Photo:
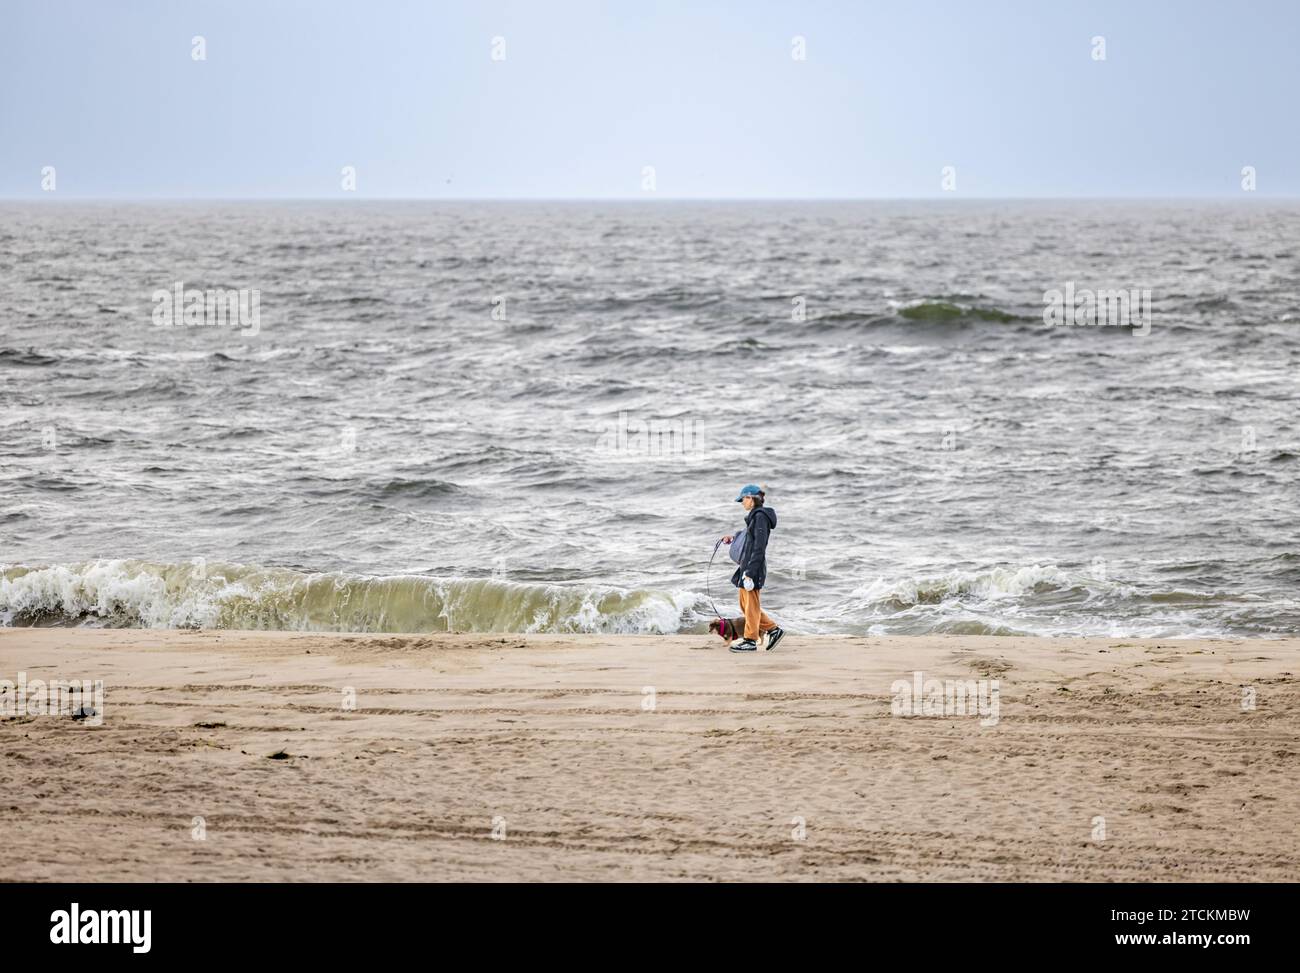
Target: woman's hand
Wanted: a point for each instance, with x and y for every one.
(748, 583)
(726, 539)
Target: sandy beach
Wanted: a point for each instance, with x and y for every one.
(472, 757)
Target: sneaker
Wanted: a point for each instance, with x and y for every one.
(744, 645)
(773, 637)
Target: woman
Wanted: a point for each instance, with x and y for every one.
(749, 578)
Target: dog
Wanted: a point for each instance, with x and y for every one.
(730, 629)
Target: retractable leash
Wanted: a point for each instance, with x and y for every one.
(707, 573)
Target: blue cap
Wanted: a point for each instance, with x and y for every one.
(748, 490)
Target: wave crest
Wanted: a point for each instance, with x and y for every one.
(997, 583)
(948, 311)
(143, 594)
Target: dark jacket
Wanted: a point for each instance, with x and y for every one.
(759, 522)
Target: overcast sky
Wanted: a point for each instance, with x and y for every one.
(588, 95)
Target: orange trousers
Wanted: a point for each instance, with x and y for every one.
(756, 620)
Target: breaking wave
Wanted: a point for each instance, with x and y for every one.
(1047, 600)
(1008, 583)
(144, 594)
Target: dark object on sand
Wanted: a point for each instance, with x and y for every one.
(728, 628)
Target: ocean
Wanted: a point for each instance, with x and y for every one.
(534, 417)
